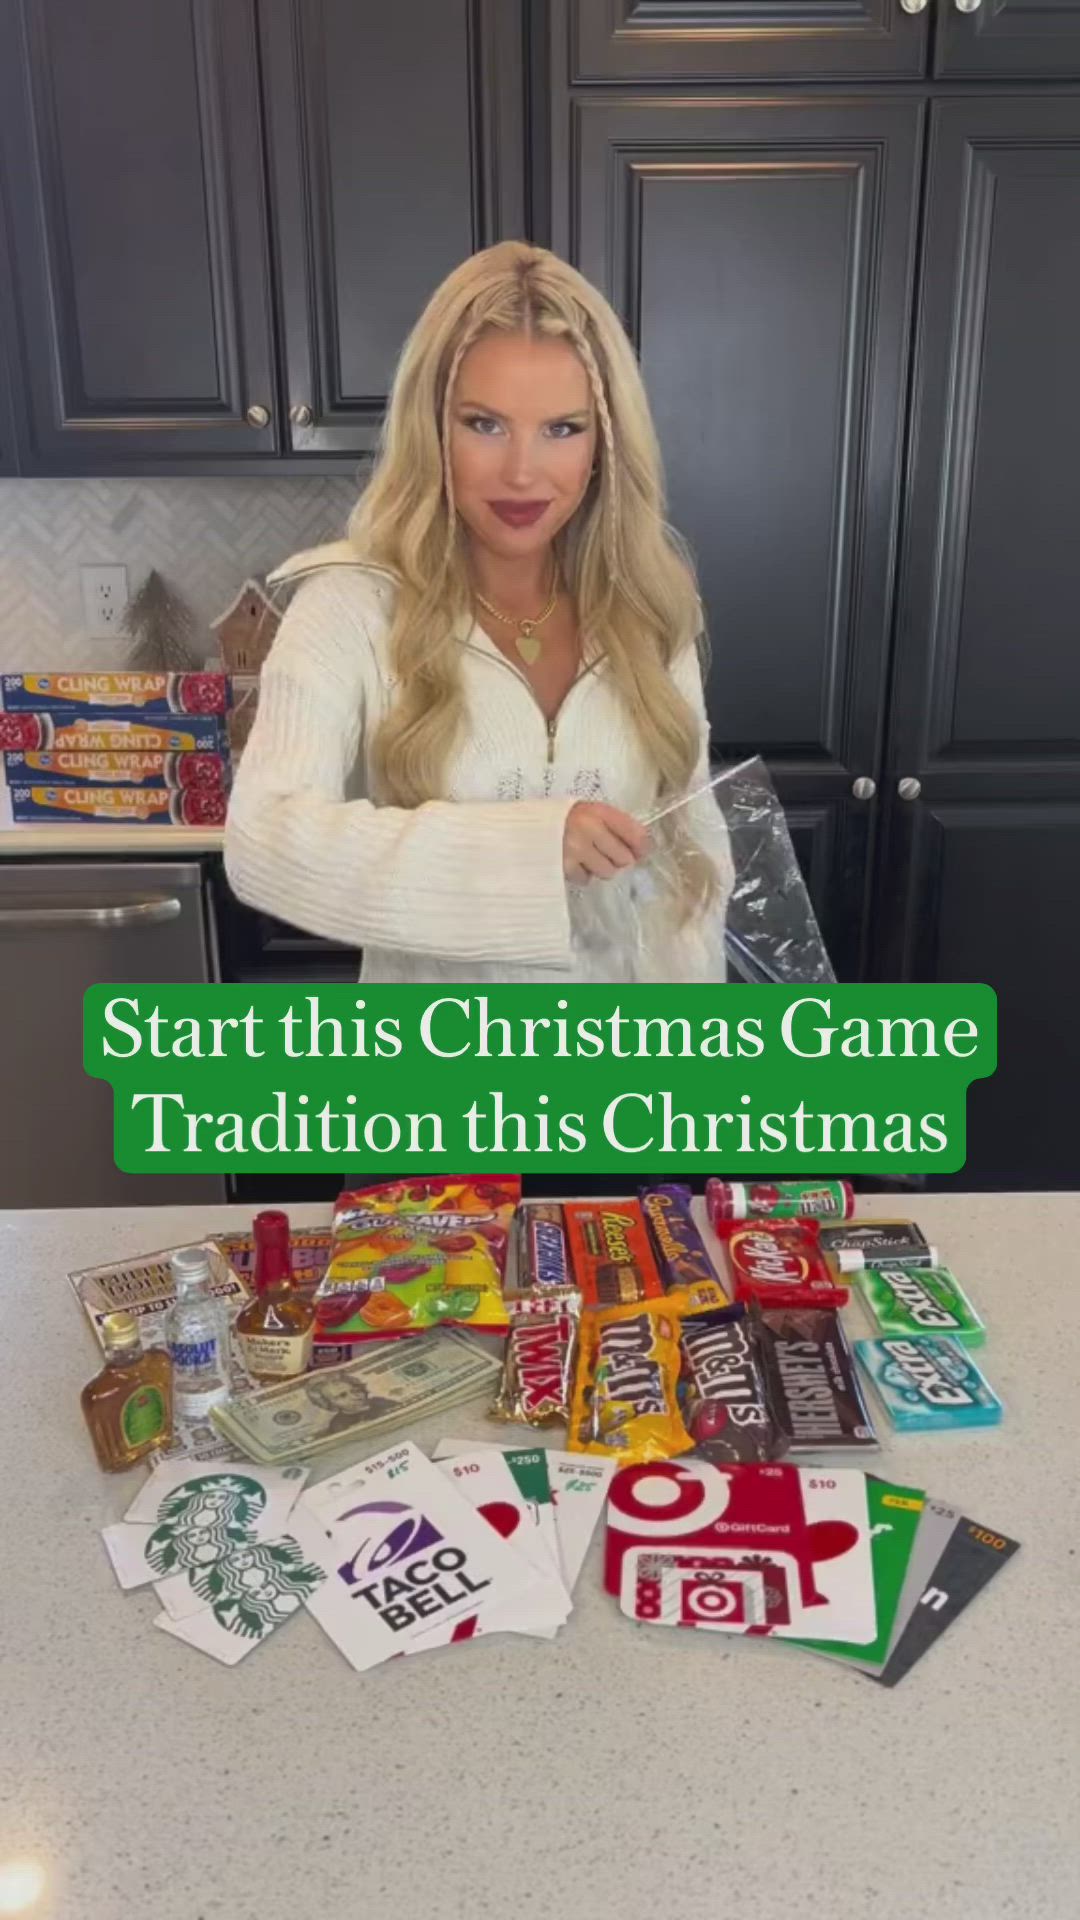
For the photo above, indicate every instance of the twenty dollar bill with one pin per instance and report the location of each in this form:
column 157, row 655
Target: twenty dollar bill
column 393, row 1383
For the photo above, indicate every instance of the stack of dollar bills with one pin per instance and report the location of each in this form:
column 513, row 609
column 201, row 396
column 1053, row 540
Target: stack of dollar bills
column 393, row 1384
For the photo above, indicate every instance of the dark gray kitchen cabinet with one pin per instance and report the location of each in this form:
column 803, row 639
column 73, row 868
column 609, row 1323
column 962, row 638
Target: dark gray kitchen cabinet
column 979, row 863
column 761, row 254
column 395, row 141
column 130, row 145
column 1005, row 39
column 644, row 41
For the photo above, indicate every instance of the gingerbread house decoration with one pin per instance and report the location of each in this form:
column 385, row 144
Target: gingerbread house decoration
column 246, row 629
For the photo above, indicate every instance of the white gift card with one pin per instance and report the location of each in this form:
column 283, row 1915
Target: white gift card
column 486, row 1480
column 243, row 1598
column 404, row 1553
column 261, row 1493
column 187, row 1517
column 579, row 1483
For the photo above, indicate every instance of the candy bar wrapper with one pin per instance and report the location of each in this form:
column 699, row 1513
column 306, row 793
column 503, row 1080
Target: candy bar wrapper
column 610, row 1252
column 626, row 1386
column 538, row 1368
column 812, row 1383
column 876, row 1243
column 730, row 1419
column 908, row 1301
column 728, row 1201
column 779, row 1263
column 681, row 1255
column 104, row 693
column 543, row 1259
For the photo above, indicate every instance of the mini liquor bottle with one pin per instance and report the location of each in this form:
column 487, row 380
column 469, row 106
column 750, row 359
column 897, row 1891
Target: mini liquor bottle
column 128, row 1405
column 275, row 1329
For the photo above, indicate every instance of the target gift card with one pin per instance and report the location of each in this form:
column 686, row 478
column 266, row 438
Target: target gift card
column 744, row 1549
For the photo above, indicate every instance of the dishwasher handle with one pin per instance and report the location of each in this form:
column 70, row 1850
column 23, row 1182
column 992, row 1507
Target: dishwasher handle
column 98, row 913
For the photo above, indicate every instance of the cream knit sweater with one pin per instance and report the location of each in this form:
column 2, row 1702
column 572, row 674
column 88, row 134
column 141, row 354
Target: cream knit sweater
column 469, row 888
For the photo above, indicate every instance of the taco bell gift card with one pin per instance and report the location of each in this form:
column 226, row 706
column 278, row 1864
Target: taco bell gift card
column 403, row 1552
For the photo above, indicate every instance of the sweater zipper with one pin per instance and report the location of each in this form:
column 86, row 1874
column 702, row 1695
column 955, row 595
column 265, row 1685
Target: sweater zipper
column 550, row 724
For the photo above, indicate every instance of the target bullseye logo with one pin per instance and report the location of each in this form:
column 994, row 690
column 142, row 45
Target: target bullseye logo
column 710, row 1602
column 668, row 1497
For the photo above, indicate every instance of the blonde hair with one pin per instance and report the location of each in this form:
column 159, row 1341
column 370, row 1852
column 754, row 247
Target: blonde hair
column 630, row 579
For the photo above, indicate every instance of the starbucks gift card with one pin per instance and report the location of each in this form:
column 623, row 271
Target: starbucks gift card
column 187, row 1516
column 241, row 1599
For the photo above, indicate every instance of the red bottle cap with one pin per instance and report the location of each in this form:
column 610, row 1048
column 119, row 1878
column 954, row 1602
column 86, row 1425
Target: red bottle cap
column 273, row 1256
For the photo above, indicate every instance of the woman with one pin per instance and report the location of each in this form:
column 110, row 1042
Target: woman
column 473, row 702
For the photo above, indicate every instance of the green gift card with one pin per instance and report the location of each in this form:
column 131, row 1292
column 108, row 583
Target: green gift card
column 908, row 1301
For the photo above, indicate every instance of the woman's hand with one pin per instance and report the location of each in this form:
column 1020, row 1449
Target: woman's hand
column 599, row 840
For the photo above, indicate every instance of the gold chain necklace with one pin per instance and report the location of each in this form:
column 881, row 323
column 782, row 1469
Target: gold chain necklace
column 525, row 639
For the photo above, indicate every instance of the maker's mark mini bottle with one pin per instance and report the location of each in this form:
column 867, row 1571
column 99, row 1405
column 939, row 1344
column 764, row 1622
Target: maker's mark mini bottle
column 275, row 1329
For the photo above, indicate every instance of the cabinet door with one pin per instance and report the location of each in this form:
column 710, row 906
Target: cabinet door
column 760, row 254
column 979, row 870
column 1006, row 37
column 680, row 40
column 130, row 141
column 397, row 148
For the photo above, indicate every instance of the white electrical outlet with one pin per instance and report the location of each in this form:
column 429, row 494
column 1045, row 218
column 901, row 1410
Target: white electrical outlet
column 104, row 597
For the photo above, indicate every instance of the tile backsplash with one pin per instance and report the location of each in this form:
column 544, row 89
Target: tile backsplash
column 204, row 536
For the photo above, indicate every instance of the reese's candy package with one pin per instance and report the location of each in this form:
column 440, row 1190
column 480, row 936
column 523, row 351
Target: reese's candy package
column 681, row 1255
column 625, row 1402
column 779, row 1263
column 538, row 1368
column 730, row 1200
column 812, row 1383
column 417, row 1253
column 729, row 1416
column 543, row 1260
column 610, row 1252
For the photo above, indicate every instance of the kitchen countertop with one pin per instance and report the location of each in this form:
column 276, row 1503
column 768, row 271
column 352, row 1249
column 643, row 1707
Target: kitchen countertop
column 618, row 1773
column 31, row 842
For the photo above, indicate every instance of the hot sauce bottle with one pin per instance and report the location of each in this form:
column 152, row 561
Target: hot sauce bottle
column 275, row 1329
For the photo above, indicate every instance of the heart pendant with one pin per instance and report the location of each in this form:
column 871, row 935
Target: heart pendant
column 529, row 648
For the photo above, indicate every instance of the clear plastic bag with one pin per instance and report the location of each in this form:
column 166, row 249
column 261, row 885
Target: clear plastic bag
column 760, row 929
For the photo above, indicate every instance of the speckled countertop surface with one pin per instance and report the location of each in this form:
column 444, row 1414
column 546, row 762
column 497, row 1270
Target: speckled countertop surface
column 620, row 1773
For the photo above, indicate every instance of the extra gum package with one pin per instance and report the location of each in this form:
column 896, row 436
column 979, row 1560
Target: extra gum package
column 417, row 1253
column 625, row 1391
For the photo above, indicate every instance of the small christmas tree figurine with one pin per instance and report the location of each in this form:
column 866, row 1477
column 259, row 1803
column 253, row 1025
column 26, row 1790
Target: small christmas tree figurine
column 162, row 627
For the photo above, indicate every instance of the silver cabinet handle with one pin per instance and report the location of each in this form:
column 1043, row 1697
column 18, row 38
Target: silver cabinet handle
column 133, row 913
column 258, row 416
column 909, row 789
column 968, row 6
column 864, row 788
column 301, row 415
column 914, row 6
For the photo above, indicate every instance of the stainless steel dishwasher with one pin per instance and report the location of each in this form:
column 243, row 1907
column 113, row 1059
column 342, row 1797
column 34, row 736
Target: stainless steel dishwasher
column 62, row 929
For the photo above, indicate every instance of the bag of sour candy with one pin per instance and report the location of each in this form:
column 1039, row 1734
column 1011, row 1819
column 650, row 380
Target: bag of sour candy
column 419, row 1253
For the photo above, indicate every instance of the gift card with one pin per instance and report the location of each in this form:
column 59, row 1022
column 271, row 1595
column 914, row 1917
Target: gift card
column 486, row 1479
column 579, row 1484
column 266, row 1493
column 895, row 1516
column 972, row 1556
column 813, row 1524
column 241, row 1599
column 188, row 1516
column 404, row 1553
